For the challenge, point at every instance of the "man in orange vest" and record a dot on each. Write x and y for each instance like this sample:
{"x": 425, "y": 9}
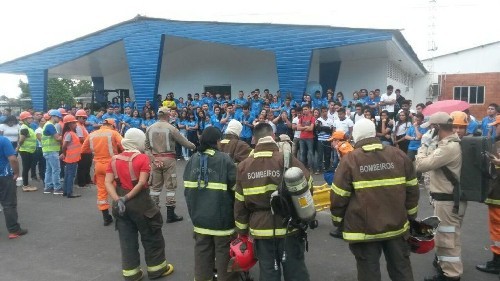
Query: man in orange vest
{"x": 83, "y": 172}
{"x": 104, "y": 144}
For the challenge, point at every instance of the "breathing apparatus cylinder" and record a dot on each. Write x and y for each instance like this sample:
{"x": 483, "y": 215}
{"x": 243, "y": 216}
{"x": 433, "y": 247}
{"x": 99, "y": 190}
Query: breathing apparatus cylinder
{"x": 301, "y": 197}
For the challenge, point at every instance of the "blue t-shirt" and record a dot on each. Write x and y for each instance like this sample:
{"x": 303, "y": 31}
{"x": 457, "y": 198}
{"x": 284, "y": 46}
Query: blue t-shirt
{"x": 486, "y": 128}
{"x": 34, "y": 125}
{"x": 318, "y": 103}
{"x": 246, "y": 131}
{"x": 256, "y": 106}
{"x": 149, "y": 122}
{"x": 6, "y": 150}
{"x": 216, "y": 122}
{"x": 276, "y": 105}
{"x": 472, "y": 127}
{"x": 414, "y": 144}
{"x": 49, "y": 130}
{"x": 135, "y": 122}
{"x": 129, "y": 104}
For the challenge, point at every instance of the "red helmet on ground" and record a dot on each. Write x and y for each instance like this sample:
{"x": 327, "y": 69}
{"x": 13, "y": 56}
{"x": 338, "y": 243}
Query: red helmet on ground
{"x": 24, "y": 115}
{"x": 420, "y": 245}
{"x": 422, "y": 234}
{"x": 69, "y": 118}
{"x": 63, "y": 111}
{"x": 241, "y": 252}
{"x": 81, "y": 113}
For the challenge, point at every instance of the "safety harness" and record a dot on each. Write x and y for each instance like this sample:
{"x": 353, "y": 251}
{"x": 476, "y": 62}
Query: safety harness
{"x": 127, "y": 159}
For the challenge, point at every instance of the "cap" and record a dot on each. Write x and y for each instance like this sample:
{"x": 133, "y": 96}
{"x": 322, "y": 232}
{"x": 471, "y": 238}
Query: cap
{"x": 110, "y": 121}
{"x": 497, "y": 121}
{"x": 163, "y": 110}
{"x": 438, "y": 118}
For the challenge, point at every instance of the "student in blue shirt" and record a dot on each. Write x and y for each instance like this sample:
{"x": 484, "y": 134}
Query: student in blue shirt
{"x": 148, "y": 120}
{"x": 372, "y": 102}
{"x": 256, "y": 104}
{"x": 275, "y": 107}
{"x": 180, "y": 104}
{"x": 488, "y": 130}
{"x": 239, "y": 102}
{"x": 129, "y": 103}
{"x": 216, "y": 117}
{"x": 135, "y": 121}
{"x": 246, "y": 120}
{"x": 414, "y": 134}
{"x": 318, "y": 101}
{"x": 473, "y": 124}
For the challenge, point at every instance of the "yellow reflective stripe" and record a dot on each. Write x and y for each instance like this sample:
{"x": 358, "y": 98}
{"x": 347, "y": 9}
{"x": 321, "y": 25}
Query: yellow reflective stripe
{"x": 211, "y": 185}
{"x": 239, "y": 197}
{"x": 363, "y": 236}
{"x": 372, "y": 147}
{"x": 131, "y": 272}
{"x": 224, "y": 141}
{"x": 270, "y": 232}
{"x": 336, "y": 219}
{"x": 259, "y": 189}
{"x": 263, "y": 154}
{"x": 378, "y": 183}
{"x": 310, "y": 182}
{"x": 413, "y": 211}
{"x": 412, "y": 182}
{"x": 210, "y": 152}
{"x": 213, "y": 232}
{"x": 241, "y": 225}
{"x": 340, "y": 191}
{"x": 497, "y": 167}
{"x": 157, "y": 267}
{"x": 492, "y": 201}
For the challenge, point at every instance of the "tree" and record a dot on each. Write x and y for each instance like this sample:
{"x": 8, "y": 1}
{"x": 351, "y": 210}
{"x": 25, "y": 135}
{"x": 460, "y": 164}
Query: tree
{"x": 81, "y": 87}
{"x": 57, "y": 91}
{"x": 25, "y": 90}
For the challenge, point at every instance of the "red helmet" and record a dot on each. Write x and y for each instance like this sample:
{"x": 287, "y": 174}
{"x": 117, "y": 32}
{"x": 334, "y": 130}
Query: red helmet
{"x": 81, "y": 113}
{"x": 422, "y": 234}
{"x": 420, "y": 245}
{"x": 241, "y": 252}
{"x": 25, "y": 115}
{"x": 63, "y": 111}
{"x": 69, "y": 119}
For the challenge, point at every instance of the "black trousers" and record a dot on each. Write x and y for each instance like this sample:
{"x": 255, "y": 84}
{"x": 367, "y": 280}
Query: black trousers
{"x": 212, "y": 252}
{"x": 8, "y": 199}
{"x": 397, "y": 256}
{"x": 83, "y": 171}
{"x": 270, "y": 250}
{"x": 27, "y": 159}
{"x": 39, "y": 160}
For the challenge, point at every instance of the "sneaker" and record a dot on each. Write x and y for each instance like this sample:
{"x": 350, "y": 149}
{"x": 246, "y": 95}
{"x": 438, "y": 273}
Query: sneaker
{"x": 48, "y": 191}
{"x": 74, "y": 195}
{"x": 18, "y": 233}
{"x": 26, "y": 188}
{"x": 58, "y": 192}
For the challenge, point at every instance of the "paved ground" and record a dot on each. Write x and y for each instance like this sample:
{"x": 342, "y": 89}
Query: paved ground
{"x": 67, "y": 241}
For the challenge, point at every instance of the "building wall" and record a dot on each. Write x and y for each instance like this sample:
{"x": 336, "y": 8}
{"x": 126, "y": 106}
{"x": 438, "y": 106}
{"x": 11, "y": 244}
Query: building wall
{"x": 368, "y": 74}
{"x": 491, "y": 82}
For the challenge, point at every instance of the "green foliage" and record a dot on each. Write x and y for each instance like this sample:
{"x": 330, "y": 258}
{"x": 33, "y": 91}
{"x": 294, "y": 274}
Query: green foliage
{"x": 25, "y": 90}
{"x": 57, "y": 91}
{"x": 81, "y": 87}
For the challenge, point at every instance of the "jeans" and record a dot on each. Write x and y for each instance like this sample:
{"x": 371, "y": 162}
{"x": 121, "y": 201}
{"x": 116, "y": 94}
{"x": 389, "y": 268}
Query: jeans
{"x": 52, "y": 171}
{"x": 306, "y": 149}
{"x": 69, "y": 177}
{"x": 40, "y": 161}
{"x": 336, "y": 159}
{"x": 8, "y": 200}
{"x": 27, "y": 159}
{"x": 324, "y": 152}
{"x": 185, "y": 151}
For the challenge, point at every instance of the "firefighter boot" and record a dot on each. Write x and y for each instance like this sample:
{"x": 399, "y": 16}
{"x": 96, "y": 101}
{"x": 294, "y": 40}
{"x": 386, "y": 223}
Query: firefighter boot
{"x": 492, "y": 266}
{"x": 108, "y": 219}
{"x": 171, "y": 216}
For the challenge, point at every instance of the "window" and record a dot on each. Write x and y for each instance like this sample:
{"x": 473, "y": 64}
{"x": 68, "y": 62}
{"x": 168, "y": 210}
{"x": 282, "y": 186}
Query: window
{"x": 470, "y": 94}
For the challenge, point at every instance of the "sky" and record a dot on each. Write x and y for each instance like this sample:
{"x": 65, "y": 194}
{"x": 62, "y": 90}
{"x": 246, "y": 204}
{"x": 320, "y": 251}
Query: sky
{"x": 27, "y": 26}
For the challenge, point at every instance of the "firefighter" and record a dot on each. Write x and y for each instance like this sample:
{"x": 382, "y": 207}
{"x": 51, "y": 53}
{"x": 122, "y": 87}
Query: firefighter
{"x": 257, "y": 178}
{"x": 51, "y": 144}
{"x": 213, "y": 227}
{"x": 104, "y": 144}
{"x": 381, "y": 179}
{"x": 83, "y": 172}
{"x": 237, "y": 149}
{"x": 26, "y": 147}
{"x": 429, "y": 159}
{"x": 493, "y": 202}
{"x": 161, "y": 138}
{"x": 134, "y": 210}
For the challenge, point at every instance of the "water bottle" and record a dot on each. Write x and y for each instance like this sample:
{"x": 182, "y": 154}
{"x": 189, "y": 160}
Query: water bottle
{"x": 19, "y": 182}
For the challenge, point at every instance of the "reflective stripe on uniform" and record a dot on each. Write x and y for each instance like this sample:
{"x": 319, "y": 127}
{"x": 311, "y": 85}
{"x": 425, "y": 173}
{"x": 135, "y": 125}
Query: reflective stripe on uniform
{"x": 131, "y": 272}
{"x": 157, "y": 267}
{"x": 225, "y": 141}
{"x": 154, "y": 193}
{"x": 412, "y": 211}
{"x": 412, "y": 182}
{"x": 211, "y": 185}
{"x": 241, "y": 225}
{"x": 210, "y": 152}
{"x": 102, "y": 202}
{"x": 378, "y": 183}
{"x": 213, "y": 232}
{"x": 496, "y": 243}
{"x": 270, "y": 232}
{"x": 364, "y": 236}
{"x": 259, "y": 189}
{"x": 239, "y": 197}
{"x": 372, "y": 147}
{"x": 336, "y": 219}
{"x": 492, "y": 201}
{"x": 261, "y": 154}
{"x": 446, "y": 229}
{"x": 340, "y": 191}
{"x": 448, "y": 259}
{"x": 108, "y": 135}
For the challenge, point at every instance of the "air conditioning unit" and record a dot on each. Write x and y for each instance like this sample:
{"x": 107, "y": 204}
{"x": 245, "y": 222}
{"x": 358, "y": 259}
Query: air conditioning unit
{"x": 434, "y": 90}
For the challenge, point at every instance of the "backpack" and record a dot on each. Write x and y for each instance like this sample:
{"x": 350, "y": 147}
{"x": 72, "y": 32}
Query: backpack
{"x": 476, "y": 171}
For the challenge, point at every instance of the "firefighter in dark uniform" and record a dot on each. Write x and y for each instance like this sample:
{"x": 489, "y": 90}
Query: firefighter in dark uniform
{"x": 257, "y": 178}
{"x": 134, "y": 210}
{"x": 374, "y": 195}
{"x": 432, "y": 157}
{"x": 209, "y": 178}
{"x": 237, "y": 149}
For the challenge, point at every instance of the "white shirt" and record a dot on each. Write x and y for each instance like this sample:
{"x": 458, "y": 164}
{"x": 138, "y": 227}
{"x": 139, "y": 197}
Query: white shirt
{"x": 38, "y": 130}
{"x": 402, "y": 128}
{"x": 322, "y": 136}
{"x": 296, "y": 133}
{"x": 358, "y": 117}
{"x": 333, "y": 116}
{"x": 12, "y": 133}
{"x": 343, "y": 125}
{"x": 385, "y": 97}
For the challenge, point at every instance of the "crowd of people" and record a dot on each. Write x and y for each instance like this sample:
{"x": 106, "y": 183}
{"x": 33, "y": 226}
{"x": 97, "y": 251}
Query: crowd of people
{"x": 234, "y": 150}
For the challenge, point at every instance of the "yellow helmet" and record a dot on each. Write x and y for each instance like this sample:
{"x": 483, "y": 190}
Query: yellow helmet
{"x": 459, "y": 118}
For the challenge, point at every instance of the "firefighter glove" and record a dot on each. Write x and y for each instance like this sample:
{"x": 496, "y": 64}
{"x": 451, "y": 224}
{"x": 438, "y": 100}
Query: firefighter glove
{"x": 121, "y": 205}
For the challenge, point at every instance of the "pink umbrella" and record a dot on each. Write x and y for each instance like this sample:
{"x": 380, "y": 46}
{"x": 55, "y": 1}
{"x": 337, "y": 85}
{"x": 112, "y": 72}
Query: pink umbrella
{"x": 447, "y": 106}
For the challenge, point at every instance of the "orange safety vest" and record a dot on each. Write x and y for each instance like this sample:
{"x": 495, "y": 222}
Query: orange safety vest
{"x": 73, "y": 150}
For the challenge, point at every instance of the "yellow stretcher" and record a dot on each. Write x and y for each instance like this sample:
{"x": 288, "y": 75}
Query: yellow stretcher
{"x": 321, "y": 197}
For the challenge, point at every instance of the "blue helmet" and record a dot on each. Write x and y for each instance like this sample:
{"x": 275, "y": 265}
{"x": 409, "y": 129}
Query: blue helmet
{"x": 55, "y": 112}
